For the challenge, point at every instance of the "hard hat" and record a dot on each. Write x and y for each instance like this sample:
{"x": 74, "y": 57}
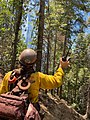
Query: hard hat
{"x": 27, "y": 57}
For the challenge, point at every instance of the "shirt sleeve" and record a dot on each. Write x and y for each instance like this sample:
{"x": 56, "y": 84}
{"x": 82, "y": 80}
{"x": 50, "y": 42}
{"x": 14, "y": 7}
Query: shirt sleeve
{"x": 4, "y": 84}
{"x": 51, "y": 81}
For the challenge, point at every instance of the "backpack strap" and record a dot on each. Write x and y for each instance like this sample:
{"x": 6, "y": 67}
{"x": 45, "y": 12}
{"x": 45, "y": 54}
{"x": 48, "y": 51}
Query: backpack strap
{"x": 13, "y": 79}
{"x": 20, "y": 77}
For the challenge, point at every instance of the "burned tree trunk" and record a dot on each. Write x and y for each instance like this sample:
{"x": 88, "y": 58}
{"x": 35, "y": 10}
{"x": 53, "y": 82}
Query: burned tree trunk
{"x": 19, "y": 8}
{"x": 40, "y": 35}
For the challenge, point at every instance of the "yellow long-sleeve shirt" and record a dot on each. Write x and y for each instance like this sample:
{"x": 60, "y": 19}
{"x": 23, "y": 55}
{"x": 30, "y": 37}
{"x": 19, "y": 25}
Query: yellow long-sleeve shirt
{"x": 43, "y": 81}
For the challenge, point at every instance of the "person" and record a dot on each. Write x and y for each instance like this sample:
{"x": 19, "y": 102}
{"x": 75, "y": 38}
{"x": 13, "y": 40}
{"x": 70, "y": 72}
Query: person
{"x": 27, "y": 59}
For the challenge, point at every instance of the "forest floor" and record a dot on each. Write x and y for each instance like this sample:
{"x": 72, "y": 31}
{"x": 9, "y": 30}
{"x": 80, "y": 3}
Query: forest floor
{"x": 56, "y": 109}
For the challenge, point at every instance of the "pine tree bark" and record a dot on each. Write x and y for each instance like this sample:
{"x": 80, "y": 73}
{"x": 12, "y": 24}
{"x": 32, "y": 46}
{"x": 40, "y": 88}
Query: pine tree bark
{"x": 40, "y": 35}
{"x": 88, "y": 105}
{"x": 19, "y": 8}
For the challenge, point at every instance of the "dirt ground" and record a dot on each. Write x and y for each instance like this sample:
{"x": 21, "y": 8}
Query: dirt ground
{"x": 56, "y": 109}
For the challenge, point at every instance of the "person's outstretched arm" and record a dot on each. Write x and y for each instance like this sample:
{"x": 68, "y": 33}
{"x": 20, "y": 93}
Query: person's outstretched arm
{"x": 53, "y": 81}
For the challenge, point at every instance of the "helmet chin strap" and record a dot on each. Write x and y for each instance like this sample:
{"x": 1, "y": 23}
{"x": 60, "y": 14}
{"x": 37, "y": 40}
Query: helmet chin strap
{"x": 27, "y": 65}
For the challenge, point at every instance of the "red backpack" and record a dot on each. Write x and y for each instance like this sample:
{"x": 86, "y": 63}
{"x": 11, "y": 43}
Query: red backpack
{"x": 15, "y": 105}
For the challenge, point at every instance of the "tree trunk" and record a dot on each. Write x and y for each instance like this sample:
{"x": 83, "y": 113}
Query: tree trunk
{"x": 88, "y": 105}
{"x": 55, "y": 41}
{"x": 40, "y": 35}
{"x": 48, "y": 46}
{"x": 19, "y": 8}
{"x": 64, "y": 52}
